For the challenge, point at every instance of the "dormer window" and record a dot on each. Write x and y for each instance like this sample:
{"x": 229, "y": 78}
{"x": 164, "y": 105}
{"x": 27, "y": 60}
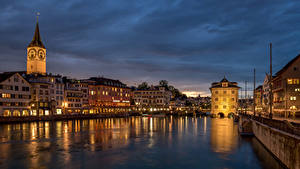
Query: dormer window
{"x": 224, "y": 84}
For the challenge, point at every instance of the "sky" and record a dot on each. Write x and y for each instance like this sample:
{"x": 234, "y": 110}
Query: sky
{"x": 190, "y": 43}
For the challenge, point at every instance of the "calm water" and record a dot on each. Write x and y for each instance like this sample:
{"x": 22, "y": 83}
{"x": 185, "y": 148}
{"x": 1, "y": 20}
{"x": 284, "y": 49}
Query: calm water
{"x": 136, "y": 142}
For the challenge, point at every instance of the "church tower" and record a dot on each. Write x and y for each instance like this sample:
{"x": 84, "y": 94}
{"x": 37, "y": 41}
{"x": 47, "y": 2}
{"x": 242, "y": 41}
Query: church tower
{"x": 36, "y": 54}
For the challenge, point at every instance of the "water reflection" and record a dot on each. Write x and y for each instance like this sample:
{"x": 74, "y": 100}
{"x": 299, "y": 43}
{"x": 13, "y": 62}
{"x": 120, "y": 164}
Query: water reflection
{"x": 223, "y": 135}
{"x": 137, "y": 142}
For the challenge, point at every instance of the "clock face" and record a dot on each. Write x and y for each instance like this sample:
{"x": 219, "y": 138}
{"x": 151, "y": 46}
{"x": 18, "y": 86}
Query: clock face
{"x": 41, "y": 55}
{"x": 31, "y": 54}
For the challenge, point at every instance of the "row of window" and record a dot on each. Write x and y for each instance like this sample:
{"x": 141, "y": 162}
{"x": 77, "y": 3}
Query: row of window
{"x": 74, "y": 100}
{"x": 14, "y": 96}
{"x": 293, "y": 81}
{"x": 224, "y": 99}
{"x": 75, "y": 105}
{"x": 225, "y": 92}
{"x": 150, "y": 96}
{"x": 139, "y": 92}
{"x": 15, "y": 104}
{"x": 224, "y": 107}
{"x": 105, "y": 93}
{"x": 149, "y": 101}
{"x": 15, "y": 88}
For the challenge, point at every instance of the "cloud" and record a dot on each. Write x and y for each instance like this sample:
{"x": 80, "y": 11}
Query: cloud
{"x": 190, "y": 43}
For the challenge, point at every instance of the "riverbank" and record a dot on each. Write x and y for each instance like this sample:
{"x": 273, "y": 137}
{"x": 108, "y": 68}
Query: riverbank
{"x": 60, "y": 117}
{"x": 24, "y": 119}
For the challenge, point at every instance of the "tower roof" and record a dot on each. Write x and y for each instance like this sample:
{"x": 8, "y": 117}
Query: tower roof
{"x": 36, "y": 41}
{"x": 224, "y": 79}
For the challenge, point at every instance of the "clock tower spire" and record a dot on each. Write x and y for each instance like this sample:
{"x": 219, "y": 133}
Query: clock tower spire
{"x": 36, "y": 53}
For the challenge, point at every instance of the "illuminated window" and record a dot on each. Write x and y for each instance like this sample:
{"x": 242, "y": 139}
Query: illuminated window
{"x": 293, "y": 108}
{"x": 224, "y": 84}
{"x": 297, "y": 90}
{"x": 293, "y": 81}
{"x": 92, "y": 92}
{"x": 6, "y": 95}
{"x": 293, "y": 98}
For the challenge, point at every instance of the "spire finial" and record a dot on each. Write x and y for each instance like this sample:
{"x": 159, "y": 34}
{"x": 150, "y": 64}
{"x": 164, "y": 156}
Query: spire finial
{"x": 37, "y": 16}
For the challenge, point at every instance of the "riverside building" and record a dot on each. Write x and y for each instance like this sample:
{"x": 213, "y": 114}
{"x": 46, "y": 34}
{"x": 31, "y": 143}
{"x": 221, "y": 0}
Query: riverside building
{"x": 108, "y": 95}
{"x": 14, "y": 95}
{"x": 224, "y": 98}
{"x": 286, "y": 89}
{"x": 155, "y": 98}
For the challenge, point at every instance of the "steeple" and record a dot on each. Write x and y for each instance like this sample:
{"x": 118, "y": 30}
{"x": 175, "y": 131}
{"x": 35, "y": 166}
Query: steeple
{"x": 36, "y": 41}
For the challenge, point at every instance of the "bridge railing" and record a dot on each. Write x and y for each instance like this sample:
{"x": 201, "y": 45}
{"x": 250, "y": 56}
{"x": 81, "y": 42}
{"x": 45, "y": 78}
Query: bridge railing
{"x": 283, "y": 125}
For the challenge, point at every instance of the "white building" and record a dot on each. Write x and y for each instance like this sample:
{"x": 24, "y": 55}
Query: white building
{"x": 14, "y": 95}
{"x": 154, "y": 97}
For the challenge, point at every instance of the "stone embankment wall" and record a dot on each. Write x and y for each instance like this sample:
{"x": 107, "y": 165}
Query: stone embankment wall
{"x": 285, "y": 146}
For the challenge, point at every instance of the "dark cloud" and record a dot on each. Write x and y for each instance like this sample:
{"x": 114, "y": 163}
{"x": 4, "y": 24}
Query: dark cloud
{"x": 190, "y": 43}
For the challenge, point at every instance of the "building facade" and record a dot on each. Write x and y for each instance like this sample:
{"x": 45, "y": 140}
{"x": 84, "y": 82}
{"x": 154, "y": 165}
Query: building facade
{"x": 107, "y": 94}
{"x": 15, "y": 95}
{"x": 259, "y": 99}
{"x": 224, "y": 98}
{"x": 286, "y": 89}
{"x": 156, "y": 96}
{"x": 47, "y": 93}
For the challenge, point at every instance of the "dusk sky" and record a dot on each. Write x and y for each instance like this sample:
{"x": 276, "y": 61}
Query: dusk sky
{"x": 190, "y": 43}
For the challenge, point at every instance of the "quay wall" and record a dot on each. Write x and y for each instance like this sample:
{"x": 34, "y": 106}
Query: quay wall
{"x": 283, "y": 145}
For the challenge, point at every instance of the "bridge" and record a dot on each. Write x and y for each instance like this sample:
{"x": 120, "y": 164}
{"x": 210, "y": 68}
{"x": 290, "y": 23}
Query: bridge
{"x": 280, "y": 137}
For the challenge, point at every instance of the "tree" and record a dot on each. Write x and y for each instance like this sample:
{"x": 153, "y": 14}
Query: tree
{"x": 143, "y": 86}
{"x": 164, "y": 83}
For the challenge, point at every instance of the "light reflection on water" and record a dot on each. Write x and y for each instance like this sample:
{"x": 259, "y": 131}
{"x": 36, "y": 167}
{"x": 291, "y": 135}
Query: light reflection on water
{"x": 136, "y": 142}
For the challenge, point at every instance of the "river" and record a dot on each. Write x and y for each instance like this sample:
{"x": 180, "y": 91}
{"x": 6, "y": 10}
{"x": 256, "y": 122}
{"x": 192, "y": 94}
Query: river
{"x": 129, "y": 143}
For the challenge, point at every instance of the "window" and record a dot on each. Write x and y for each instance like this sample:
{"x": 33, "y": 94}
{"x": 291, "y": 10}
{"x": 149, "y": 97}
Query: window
{"x": 216, "y": 92}
{"x": 5, "y": 95}
{"x": 216, "y": 107}
{"x": 232, "y": 92}
{"x": 224, "y": 107}
{"x": 293, "y": 108}
{"x": 293, "y": 98}
{"x": 293, "y": 81}
{"x": 16, "y": 88}
{"x": 297, "y": 90}
{"x": 216, "y": 99}
{"x": 232, "y": 99}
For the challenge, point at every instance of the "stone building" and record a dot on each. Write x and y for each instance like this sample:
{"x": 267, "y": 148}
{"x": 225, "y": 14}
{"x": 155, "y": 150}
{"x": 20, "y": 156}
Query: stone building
{"x": 156, "y": 96}
{"x": 14, "y": 95}
{"x": 286, "y": 89}
{"x": 107, "y": 95}
{"x": 224, "y": 98}
{"x": 47, "y": 94}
